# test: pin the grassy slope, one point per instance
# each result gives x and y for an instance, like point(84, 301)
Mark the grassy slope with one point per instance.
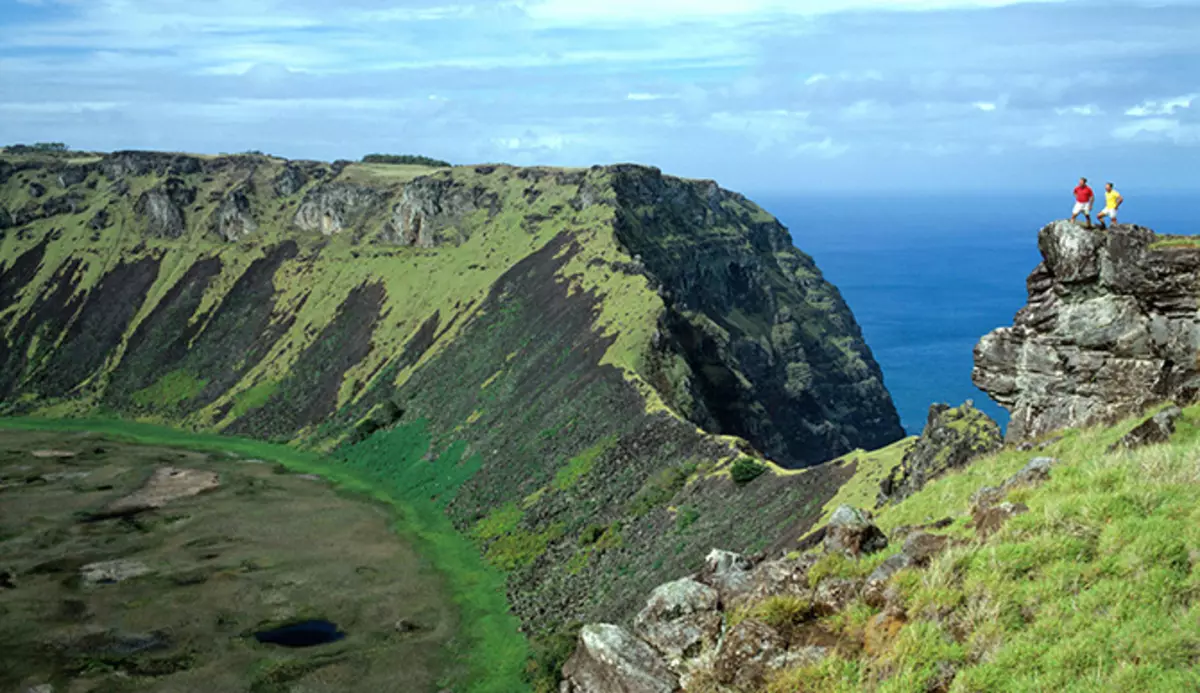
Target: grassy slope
point(518, 356)
point(1095, 589)
point(492, 651)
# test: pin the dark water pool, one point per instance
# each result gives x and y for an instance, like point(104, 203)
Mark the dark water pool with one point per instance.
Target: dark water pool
point(301, 634)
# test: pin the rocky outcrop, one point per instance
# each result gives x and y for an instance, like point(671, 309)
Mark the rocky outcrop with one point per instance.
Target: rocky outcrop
point(610, 660)
point(1109, 329)
point(680, 619)
point(234, 218)
point(1155, 430)
point(951, 439)
point(430, 210)
point(161, 208)
point(334, 207)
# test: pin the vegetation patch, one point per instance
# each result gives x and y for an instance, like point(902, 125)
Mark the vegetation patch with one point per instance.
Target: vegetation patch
point(579, 466)
point(171, 389)
point(1093, 588)
point(746, 469)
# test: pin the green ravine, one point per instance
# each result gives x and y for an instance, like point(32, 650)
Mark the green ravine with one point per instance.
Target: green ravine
point(495, 652)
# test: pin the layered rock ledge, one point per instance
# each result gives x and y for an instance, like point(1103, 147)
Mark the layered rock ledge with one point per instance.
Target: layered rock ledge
point(1109, 329)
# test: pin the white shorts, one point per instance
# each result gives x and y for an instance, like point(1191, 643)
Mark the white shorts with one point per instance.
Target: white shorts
point(1082, 208)
point(1110, 212)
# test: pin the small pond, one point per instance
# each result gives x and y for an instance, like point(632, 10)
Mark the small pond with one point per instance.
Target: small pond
point(301, 634)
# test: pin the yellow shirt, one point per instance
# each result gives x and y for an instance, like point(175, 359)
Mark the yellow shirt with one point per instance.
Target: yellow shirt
point(1111, 197)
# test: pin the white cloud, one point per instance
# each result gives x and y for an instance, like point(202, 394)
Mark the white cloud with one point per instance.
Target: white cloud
point(768, 128)
point(645, 96)
point(1159, 129)
point(1086, 110)
point(985, 106)
point(581, 12)
point(1163, 107)
point(825, 148)
point(819, 77)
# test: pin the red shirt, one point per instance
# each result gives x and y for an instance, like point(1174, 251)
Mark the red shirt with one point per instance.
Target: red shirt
point(1083, 194)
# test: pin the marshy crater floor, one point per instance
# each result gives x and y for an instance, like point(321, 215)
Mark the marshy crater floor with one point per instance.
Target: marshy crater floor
point(128, 567)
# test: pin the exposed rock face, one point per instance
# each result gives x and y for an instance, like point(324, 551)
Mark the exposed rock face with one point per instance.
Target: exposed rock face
point(429, 210)
point(680, 619)
point(1154, 430)
point(1109, 329)
point(162, 207)
point(290, 180)
point(234, 218)
point(735, 311)
point(610, 660)
point(334, 207)
point(951, 439)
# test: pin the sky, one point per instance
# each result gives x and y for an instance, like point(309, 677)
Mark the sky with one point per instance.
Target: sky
point(765, 96)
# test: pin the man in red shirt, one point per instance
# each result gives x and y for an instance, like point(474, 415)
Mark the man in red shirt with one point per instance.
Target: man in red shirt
point(1083, 201)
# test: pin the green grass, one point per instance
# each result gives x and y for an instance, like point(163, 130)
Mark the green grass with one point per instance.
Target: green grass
point(1175, 243)
point(579, 466)
point(494, 652)
point(171, 389)
point(253, 398)
point(1094, 589)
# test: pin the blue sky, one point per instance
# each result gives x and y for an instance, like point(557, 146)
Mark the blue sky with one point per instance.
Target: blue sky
point(765, 96)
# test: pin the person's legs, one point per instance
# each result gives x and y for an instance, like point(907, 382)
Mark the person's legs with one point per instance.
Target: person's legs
point(1101, 216)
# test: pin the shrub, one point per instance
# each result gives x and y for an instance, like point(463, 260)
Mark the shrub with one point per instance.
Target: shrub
point(746, 469)
point(405, 159)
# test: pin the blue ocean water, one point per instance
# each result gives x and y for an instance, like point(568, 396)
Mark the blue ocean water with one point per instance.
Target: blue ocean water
point(927, 276)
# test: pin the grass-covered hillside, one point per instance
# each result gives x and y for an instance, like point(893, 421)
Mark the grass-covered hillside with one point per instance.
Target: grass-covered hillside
point(581, 370)
point(1094, 588)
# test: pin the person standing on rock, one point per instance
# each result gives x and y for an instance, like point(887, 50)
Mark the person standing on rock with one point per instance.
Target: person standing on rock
point(1112, 200)
point(1083, 201)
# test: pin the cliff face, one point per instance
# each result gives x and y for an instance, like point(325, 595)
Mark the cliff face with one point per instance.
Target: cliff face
point(1110, 328)
point(528, 350)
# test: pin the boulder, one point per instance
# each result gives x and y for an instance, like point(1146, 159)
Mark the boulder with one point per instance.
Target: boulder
point(728, 573)
point(1155, 430)
point(1036, 472)
point(112, 572)
point(1108, 330)
point(680, 619)
point(987, 519)
point(608, 659)
point(952, 438)
point(851, 532)
point(786, 576)
point(922, 547)
point(874, 590)
point(749, 653)
point(834, 594)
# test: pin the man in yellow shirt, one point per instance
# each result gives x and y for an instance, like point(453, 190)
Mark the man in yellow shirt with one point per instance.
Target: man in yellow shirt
point(1112, 201)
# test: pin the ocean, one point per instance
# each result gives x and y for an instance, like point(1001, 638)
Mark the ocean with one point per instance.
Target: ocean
point(927, 276)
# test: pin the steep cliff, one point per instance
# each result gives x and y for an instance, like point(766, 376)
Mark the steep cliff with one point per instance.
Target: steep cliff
point(556, 359)
point(1110, 328)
